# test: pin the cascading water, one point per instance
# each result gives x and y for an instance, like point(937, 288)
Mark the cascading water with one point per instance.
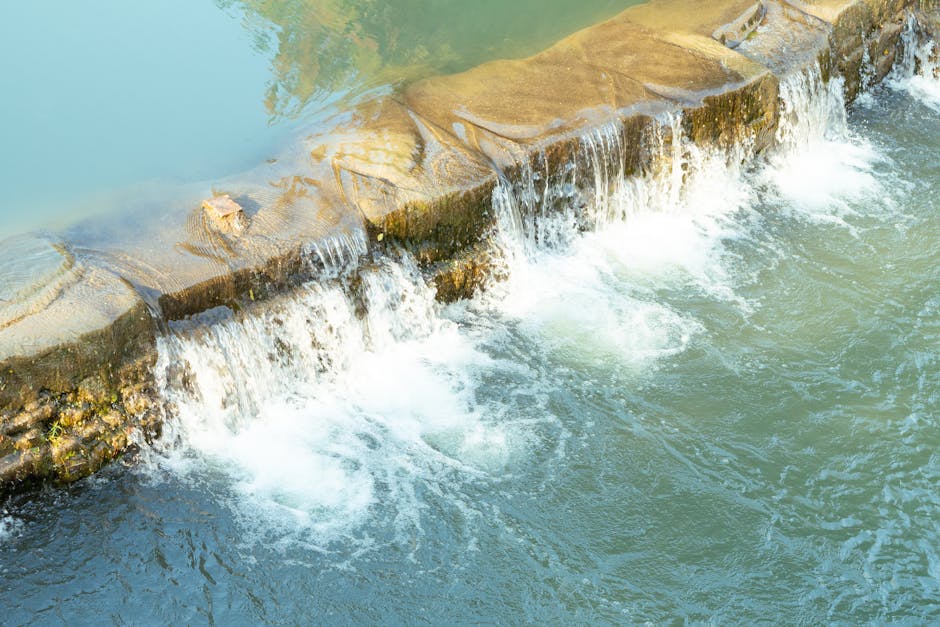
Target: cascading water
point(917, 71)
point(331, 409)
point(822, 168)
point(332, 401)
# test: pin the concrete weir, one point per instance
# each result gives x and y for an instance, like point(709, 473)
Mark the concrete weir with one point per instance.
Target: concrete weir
point(417, 171)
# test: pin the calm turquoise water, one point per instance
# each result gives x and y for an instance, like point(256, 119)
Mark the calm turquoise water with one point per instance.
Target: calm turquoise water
point(720, 404)
point(108, 95)
point(106, 100)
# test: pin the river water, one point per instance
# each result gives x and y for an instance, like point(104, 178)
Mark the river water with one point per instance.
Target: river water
point(711, 395)
point(109, 104)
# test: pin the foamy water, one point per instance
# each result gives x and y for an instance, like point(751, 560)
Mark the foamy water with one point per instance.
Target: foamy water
point(332, 410)
point(592, 296)
point(918, 70)
point(824, 169)
point(9, 527)
point(318, 416)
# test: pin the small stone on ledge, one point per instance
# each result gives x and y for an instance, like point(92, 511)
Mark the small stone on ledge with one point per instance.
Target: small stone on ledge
point(225, 214)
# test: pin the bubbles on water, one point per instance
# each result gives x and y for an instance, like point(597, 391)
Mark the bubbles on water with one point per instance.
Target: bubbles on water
point(589, 289)
point(821, 170)
point(343, 411)
point(334, 406)
point(917, 71)
point(9, 528)
point(676, 237)
point(576, 308)
point(827, 180)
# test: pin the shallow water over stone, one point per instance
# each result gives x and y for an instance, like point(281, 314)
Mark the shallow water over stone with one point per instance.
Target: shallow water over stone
point(711, 395)
point(109, 107)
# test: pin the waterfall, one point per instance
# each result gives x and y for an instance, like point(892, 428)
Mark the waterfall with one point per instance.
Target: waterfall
point(810, 109)
point(819, 167)
point(350, 397)
point(917, 70)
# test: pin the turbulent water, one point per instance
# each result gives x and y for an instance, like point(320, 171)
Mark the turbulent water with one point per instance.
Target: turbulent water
point(710, 393)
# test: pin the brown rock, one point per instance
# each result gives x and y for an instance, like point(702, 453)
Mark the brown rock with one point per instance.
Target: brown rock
point(224, 214)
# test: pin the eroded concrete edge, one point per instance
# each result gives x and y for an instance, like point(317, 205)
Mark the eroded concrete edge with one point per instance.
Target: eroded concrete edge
point(71, 409)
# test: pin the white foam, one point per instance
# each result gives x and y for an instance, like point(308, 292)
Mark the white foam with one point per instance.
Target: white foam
point(825, 178)
point(321, 419)
point(821, 169)
point(592, 296)
point(333, 412)
point(576, 307)
point(678, 238)
point(917, 71)
point(9, 528)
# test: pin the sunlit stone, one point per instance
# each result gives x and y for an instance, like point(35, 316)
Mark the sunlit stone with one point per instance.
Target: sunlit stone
point(225, 214)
